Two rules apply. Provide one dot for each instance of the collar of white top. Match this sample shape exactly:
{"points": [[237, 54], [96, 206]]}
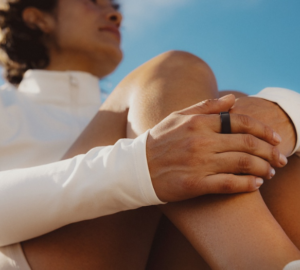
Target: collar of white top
{"points": [[61, 86]]}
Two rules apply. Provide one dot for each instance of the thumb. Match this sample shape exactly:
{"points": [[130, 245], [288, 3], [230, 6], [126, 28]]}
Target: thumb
{"points": [[211, 106]]}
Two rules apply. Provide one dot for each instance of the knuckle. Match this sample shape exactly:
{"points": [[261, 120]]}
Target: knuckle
{"points": [[251, 182], [275, 154], [228, 185], [192, 123], [244, 164], [265, 168], [189, 184], [207, 103], [250, 141], [245, 121], [198, 144], [268, 132], [206, 142]]}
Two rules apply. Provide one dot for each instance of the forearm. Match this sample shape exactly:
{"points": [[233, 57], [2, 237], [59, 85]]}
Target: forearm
{"points": [[233, 232], [105, 181]]}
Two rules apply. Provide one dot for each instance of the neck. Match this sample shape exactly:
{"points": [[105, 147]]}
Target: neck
{"points": [[76, 62]]}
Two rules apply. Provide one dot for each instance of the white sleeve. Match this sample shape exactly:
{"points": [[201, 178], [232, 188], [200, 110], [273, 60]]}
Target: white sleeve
{"points": [[289, 101], [106, 180]]}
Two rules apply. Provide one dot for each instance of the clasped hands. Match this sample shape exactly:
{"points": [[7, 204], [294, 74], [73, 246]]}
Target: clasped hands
{"points": [[189, 157]]}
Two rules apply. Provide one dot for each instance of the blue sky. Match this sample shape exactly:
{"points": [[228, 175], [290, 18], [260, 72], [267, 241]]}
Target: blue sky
{"points": [[250, 44]]}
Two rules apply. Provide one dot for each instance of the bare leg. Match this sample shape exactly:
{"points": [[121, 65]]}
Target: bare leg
{"points": [[230, 232], [169, 82], [172, 251], [282, 197], [121, 241]]}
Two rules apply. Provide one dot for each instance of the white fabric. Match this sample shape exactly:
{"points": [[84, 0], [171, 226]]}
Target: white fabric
{"points": [[289, 101], [43, 118], [12, 258], [104, 181], [295, 265], [38, 123]]}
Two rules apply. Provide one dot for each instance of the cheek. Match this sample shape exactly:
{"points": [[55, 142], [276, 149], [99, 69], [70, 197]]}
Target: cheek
{"points": [[72, 29], [80, 17], [77, 29]]}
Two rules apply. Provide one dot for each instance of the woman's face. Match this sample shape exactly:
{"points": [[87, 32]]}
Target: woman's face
{"points": [[88, 29]]}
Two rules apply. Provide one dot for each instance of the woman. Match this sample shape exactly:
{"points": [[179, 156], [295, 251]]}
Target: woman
{"points": [[68, 45]]}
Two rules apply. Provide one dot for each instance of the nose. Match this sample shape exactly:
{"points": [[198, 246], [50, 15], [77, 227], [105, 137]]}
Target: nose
{"points": [[115, 17]]}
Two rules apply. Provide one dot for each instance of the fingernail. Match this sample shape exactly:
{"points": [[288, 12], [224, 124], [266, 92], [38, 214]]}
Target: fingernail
{"points": [[276, 137], [259, 182], [272, 173], [283, 160], [226, 97]]}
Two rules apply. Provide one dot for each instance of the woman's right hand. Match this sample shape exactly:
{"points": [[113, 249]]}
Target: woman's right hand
{"points": [[188, 156]]}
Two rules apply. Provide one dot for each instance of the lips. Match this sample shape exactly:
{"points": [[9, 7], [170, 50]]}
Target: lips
{"points": [[113, 30]]}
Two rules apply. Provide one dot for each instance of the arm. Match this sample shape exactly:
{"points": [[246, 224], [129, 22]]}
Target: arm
{"points": [[116, 178], [106, 180]]}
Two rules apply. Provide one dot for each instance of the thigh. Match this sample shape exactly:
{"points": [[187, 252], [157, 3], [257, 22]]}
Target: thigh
{"points": [[167, 83], [172, 251], [120, 241], [282, 196]]}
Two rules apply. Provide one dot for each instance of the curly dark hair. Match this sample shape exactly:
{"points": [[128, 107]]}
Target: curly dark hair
{"points": [[20, 45]]}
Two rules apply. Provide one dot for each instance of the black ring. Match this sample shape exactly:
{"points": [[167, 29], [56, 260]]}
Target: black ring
{"points": [[225, 123]]}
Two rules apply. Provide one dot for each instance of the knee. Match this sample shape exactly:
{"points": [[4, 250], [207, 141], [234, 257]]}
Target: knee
{"points": [[183, 60], [163, 78]]}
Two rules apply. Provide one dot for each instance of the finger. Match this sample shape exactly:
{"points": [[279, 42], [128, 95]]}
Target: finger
{"points": [[229, 183], [247, 125], [241, 163], [249, 144], [210, 106]]}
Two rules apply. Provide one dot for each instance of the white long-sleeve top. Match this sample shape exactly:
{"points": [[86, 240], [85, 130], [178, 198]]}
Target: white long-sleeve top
{"points": [[104, 181], [39, 121]]}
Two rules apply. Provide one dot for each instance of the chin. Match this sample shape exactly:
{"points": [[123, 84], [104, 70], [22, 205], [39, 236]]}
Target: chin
{"points": [[109, 60], [117, 56]]}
